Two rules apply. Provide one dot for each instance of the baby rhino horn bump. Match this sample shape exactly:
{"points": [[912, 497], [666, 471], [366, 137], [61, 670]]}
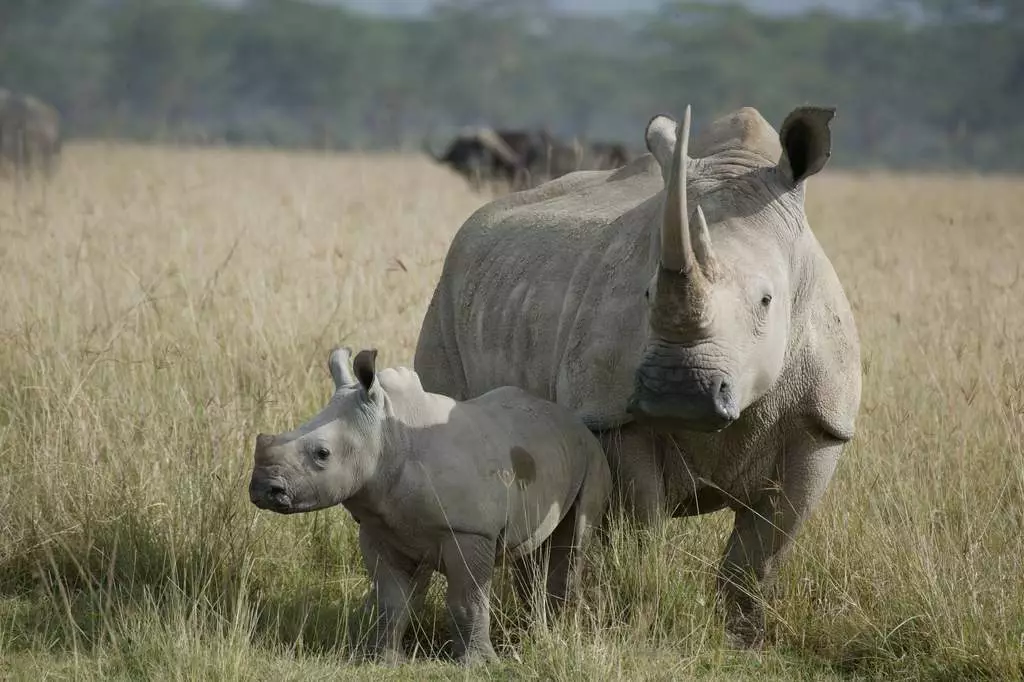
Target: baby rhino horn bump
{"points": [[337, 362], [264, 441]]}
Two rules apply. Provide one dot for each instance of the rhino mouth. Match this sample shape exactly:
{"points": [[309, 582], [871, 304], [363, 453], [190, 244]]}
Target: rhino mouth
{"points": [[281, 505], [689, 400], [272, 496], [664, 414]]}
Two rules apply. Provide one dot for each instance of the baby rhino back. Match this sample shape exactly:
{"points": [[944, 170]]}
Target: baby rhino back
{"points": [[543, 456]]}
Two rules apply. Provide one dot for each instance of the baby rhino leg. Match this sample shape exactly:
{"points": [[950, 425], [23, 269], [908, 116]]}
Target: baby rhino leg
{"points": [[398, 586], [567, 543], [527, 571], [468, 565]]}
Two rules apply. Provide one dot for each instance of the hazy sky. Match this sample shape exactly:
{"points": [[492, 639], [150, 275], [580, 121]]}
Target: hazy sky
{"points": [[619, 6]]}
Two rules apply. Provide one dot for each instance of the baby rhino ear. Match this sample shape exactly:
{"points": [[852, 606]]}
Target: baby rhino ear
{"points": [[365, 367], [337, 362]]}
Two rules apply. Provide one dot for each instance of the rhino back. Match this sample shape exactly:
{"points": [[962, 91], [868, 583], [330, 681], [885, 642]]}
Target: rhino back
{"points": [[530, 281]]}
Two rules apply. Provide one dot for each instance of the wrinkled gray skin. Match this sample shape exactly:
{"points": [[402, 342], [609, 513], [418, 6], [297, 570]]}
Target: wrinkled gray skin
{"points": [[438, 485], [682, 307], [29, 133]]}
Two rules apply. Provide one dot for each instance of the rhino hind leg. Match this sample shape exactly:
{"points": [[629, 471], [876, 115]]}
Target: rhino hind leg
{"points": [[527, 572], [547, 567], [564, 549], [763, 533]]}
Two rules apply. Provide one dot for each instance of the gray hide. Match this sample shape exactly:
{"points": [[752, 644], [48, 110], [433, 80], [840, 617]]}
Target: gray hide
{"points": [[683, 308], [441, 485]]}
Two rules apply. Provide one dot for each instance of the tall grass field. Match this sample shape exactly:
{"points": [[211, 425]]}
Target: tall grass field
{"points": [[160, 306]]}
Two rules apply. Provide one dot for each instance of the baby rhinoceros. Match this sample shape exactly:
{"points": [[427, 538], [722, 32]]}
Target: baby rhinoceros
{"points": [[437, 484]]}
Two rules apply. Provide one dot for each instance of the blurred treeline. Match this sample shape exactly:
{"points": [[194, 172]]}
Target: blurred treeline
{"points": [[923, 83]]}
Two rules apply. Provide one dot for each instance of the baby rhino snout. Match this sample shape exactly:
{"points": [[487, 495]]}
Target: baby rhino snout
{"points": [[268, 492]]}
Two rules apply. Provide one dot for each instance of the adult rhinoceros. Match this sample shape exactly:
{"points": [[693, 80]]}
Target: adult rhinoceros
{"points": [[682, 307]]}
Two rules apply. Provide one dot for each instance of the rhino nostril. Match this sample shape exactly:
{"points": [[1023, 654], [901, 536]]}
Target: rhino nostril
{"points": [[274, 490], [721, 395]]}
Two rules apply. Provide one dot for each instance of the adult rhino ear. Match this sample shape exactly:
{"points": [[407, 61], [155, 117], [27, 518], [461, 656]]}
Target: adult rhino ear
{"points": [[660, 137], [337, 362], [806, 142], [365, 366]]}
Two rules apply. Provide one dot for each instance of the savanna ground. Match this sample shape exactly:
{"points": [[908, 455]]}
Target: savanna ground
{"points": [[158, 307]]}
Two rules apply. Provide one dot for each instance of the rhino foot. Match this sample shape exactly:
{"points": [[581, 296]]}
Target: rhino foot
{"points": [[479, 655], [392, 657], [745, 632], [384, 656]]}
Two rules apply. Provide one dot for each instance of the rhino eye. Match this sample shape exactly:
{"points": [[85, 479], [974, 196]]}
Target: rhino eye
{"points": [[766, 300], [322, 453], [647, 294]]}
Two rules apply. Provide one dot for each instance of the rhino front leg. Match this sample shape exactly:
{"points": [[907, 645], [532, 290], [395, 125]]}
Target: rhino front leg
{"points": [[764, 532], [639, 482], [469, 565], [398, 585]]}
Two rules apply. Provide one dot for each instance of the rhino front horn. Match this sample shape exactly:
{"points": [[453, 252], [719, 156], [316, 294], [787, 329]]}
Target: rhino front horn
{"points": [[264, 441], [676, 247]]}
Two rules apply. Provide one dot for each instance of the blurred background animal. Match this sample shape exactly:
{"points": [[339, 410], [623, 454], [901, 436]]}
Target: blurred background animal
{"points": [[30, 138]]}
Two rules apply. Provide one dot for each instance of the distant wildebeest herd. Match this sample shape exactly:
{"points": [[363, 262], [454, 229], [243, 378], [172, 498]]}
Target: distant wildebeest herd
{"points": [[30, 141], [524, 158], [30, 134], [667, 338]]}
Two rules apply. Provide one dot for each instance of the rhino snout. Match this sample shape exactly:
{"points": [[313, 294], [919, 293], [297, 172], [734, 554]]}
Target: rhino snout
{"points": [[271, 494], [688, 399]]}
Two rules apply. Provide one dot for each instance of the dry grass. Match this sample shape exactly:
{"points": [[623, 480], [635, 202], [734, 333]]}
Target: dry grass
{"points": [[159, 307]]}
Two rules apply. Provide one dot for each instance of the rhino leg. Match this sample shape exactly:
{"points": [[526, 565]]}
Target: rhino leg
{"points": [[526, 573], [570, 538], [468, 565], [639, 481], [398, 585], [762, 534]]}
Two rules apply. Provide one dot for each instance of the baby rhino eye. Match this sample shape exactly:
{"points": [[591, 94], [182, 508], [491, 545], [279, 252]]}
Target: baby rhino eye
{"points": [[766, 300], [322, 453]]}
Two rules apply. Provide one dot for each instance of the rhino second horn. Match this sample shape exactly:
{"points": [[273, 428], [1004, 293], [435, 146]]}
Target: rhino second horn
{"points": [[702, 247], [676, 244], [338, 364]]}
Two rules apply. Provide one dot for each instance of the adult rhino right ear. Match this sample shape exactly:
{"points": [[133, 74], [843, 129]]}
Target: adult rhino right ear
{"points": [[365, 366], [806, 142], [337, 362]]}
